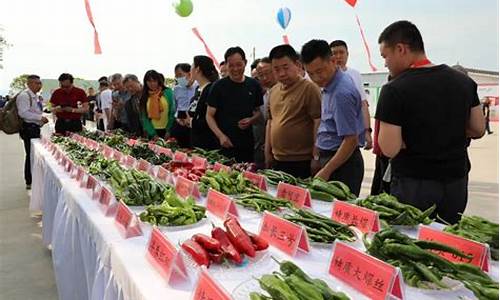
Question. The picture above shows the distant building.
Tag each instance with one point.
(487, 86)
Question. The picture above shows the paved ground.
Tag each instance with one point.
(26, 266)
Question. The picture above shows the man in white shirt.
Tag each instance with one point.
(29, 109)
(266, 79)
(341, 54)
(105, 103)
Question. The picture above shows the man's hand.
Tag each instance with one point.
(181, 122)
(189, 122)
(225, 142)
(56, 109)
(44, 120)
(315, 166)
(324, 174)
(368, 140)
(244, 123)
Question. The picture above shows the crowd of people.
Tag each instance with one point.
(305, 113)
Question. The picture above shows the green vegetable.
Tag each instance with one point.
(293, 283)
(479, 230)
(304, 290)
(320, 228)
(277, 288)
(394, 212)
(260, 201)
(173, 211)
(424, 269)
(335, 189)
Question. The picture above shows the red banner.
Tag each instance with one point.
(97, 45)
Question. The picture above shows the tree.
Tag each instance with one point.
(19, 83)
(3, 44)
(170, 82)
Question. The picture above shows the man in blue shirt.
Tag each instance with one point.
(341, 131)
(184, 91)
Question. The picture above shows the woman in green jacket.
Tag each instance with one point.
(157, 106)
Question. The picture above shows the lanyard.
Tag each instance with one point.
(420, 63)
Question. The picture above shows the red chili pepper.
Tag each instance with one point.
(238, 237)
(197, 252)
(193, 177)
(186, 165)
(258, 242)
(211, 244)
(226, 245)
(216, 257)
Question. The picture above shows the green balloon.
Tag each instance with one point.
(184, 8)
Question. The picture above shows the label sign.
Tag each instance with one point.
(300, 197)
(91, 182)
(79, 174)
(107, 202)
(185, 187)
(129, 161)
(105, 196)
(207, 288)
(257, 179)
(125, 218)
(68, 166)
(220, 205)
(57, 155)
(220, 167)
(153, 147)
(117, 155)
(166, 151)
(164, 257)
(372, 277)
(143, 165)
(199, 162)
(479, 252)
(152, 171)
(180, 156)
(108, 152)
(283, 234)
(162, 174)
(362, 218)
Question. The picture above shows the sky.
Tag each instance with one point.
(54, 36)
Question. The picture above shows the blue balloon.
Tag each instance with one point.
(284, 15)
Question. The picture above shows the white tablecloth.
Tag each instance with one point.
(93, 261)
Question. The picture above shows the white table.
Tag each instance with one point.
(93, 261)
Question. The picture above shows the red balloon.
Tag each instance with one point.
(351, 2)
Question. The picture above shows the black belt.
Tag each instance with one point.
(330, 152)
(68, 120)
(33, 125)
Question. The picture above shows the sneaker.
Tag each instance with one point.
(28, 186)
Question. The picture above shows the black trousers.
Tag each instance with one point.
(379, 186)
(351, 172)
(300, 169)
(28, 131)
(182, 134)
(488, 129)
(239, 154)
(450, 196)
(64, 125)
